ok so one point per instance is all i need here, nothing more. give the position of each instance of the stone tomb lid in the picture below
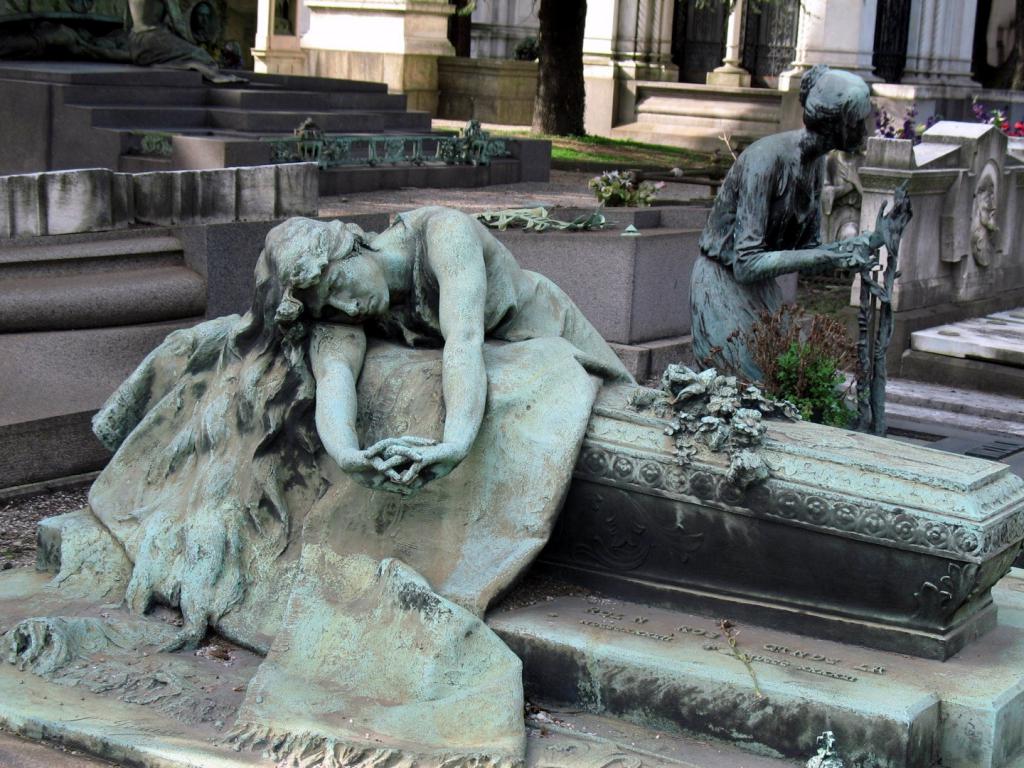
(846, 483)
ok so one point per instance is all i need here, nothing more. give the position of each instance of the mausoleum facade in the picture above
(652, 66)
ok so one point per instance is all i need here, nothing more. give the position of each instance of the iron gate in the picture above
(769, 38)
(892, 27)
(698, 39)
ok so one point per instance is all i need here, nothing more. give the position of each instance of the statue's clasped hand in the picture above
(402, 464)
(859, 252)
(421, 461)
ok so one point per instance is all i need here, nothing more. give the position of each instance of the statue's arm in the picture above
(455, 254)
(755, 264)
(336, 356)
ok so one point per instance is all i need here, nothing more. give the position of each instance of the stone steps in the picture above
(108, 94)
(176, 118)
(304, 100)
(53, 383)
(648, 665)
(20, 261)
(98, 283)
(696, 116)
(117, 297)
(99, 117)
(981, 353)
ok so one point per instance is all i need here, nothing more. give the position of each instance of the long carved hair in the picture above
(276, 394)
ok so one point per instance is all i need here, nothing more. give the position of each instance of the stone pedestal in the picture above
(853, 538)
(676, 668)
(939, 47)
(396, 42)
(731, 73)
(838, 34)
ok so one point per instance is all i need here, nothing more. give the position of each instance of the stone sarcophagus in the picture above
(852, 538)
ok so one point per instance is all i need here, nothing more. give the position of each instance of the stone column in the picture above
(275, 53)
(732, 72)
(838, 33)
(390, 41)
(624, 41)
(939, 48)
(499, 26)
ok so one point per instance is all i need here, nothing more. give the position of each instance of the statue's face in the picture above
(353, 289)
(852, 133)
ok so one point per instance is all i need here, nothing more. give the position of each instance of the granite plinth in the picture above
(775, 691)
(853, 538)
(177, 709)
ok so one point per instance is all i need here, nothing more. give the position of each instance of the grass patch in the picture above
(600, 153)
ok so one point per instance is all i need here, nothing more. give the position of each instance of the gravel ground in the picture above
(18, 519)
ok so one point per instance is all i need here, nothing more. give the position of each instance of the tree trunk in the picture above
(1017, 83)
(558, 108)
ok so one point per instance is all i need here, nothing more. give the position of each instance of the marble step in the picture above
(110, 94)
(772, 692)
(19, 260)
(998, 338)
(261, 98)
(331, 120)
(53, 382)
(264, 121)
(100, 299)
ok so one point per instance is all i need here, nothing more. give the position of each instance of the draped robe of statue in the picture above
(367, 603)
(770, 201)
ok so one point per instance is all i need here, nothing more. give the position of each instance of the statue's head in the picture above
(204, 23)
(836, 105)
(320, 269)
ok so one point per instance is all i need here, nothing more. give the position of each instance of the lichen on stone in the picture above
(707, 409)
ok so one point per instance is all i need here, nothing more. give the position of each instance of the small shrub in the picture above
(527, 49)
(802, 359)
(616, 189)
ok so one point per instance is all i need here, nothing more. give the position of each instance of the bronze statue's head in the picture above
(836, 105)
(296, 257)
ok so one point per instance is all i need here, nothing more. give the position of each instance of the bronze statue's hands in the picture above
(426, 463)
(856, 252)
(392, 464)
(377, 459)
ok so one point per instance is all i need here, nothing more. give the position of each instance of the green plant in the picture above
(614, 188)
(802, 358)
(527, 49)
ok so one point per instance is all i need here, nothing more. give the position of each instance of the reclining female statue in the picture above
(766, 220)
(349, 505)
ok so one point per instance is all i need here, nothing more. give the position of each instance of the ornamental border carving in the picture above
(787, 502)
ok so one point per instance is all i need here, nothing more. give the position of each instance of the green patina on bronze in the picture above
(309, 144)
(765, 222)
(142, 32)
(317, 492)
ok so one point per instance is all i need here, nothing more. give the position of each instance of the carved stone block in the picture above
(853, 538)
(257, 190)
(27, 215)
(77, 201)
(297, 189)
(216, 195)
(154, 198)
